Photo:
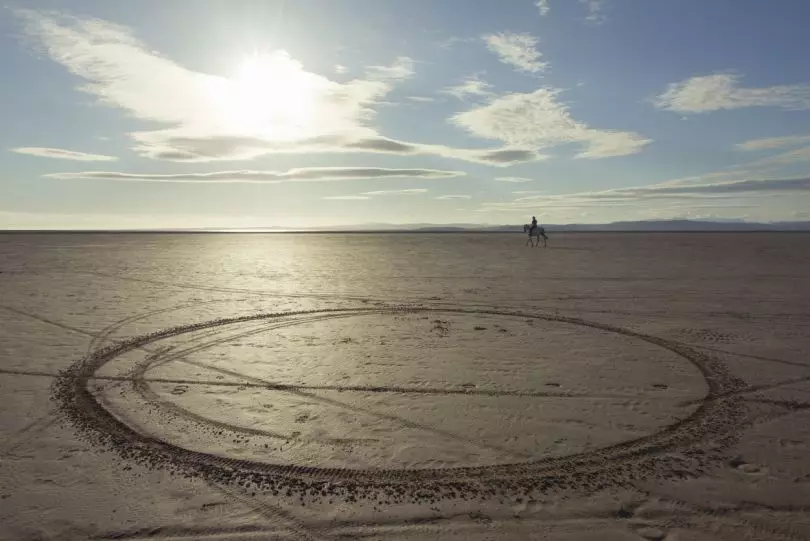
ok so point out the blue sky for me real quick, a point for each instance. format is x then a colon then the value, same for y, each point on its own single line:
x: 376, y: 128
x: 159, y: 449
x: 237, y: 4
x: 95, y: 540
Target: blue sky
x: 258, y: 113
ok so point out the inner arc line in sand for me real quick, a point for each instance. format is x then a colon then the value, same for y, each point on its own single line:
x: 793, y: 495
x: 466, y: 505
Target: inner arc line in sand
x: 718, y: 416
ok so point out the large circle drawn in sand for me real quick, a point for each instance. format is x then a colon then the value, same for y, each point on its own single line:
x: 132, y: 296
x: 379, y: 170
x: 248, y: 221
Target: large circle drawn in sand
x: 166, y: 430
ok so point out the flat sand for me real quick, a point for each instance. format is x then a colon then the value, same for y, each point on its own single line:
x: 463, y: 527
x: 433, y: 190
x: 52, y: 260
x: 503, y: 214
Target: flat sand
x: 404, y: 386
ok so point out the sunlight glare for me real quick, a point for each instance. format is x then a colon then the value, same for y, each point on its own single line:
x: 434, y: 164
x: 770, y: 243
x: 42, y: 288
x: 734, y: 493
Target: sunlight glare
x: 272, y: 96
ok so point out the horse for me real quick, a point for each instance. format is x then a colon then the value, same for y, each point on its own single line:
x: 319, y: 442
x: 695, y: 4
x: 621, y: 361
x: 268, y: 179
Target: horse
x: 538, y: 233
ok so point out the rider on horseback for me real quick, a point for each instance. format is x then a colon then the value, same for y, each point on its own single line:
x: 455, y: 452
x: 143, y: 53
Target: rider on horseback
x: 533, y: 227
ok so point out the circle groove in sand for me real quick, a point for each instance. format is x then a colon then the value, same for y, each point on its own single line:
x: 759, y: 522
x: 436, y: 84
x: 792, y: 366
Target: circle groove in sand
x: 677, y: 447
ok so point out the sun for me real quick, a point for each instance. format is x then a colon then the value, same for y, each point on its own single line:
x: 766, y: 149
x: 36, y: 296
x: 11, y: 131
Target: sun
x: 273, y: 97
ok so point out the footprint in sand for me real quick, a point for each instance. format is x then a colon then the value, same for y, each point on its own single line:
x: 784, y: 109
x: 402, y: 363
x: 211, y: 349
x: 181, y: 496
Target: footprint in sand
x: 741, y: 465
x: 653, y: 534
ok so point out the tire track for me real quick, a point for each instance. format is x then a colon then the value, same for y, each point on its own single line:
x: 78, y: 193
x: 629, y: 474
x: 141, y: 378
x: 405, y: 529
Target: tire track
x: 141, y: 385
x: 750, y: 356
x: 270, y: 513
x: 46, y: 320
x: 275, y: 514
x: 44, y: 422
x: 748, y: 389
x: 156, y: 401
x: 728, y: 517
x: 28, y: 432
x: 667, y: 453
x: 108, y: 331
x: 492, y: 393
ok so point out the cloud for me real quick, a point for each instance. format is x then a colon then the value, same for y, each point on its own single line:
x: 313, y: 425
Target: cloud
x: 689, y: 192
x: 377, y: 193
x: 34, y: 220
x: 596, y: 13
x: 508, y: 156
x: 497, y: 157
x: 409, y: 191
x: 271, y: 105
x: 543, y: 7
x: 722, y: 91
x: 538, y: 120
x: 401, y: 69
x: 471, y: 86
x: 421, y: 99
x: 513, y: 179
x: 734, y: 187
x: 453, y: 197
x: 785, y: 158
x: 452, y: 41
x: 347, y: 197
x: 341, y: 69
x: 192, y: 149
x: 307, y: 174
x: 769, y: 143
x: 62, y: 154
x: 518, y: 50
x: 708, y: 195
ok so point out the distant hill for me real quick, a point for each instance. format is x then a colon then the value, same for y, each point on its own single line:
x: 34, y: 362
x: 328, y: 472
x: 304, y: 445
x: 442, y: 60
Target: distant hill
x: 684, y: 225
x: 628, y: 226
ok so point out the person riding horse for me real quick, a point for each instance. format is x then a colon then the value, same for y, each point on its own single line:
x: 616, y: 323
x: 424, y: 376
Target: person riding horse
x: 535, y: 232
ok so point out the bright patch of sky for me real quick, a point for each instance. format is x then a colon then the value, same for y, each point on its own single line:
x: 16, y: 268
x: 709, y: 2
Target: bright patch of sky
x: 313, y: 112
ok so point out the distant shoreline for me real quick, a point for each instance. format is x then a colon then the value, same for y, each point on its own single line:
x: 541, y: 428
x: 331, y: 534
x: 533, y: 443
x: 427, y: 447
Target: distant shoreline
x: 383, y: 232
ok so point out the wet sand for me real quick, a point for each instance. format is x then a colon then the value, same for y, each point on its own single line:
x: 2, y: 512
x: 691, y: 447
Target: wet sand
x: 611, y: 386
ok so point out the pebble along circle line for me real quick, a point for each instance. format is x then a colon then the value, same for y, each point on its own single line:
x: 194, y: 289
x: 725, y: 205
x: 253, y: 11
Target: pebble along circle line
x: 685, y: 448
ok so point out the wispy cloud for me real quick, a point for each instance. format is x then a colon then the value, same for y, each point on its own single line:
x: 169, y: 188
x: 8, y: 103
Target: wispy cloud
x: 513, y: 179
x: 143, y: 221
x: 543, y: 7
x: 273, y: 105
x: 408, y: 191
x: 734, y: 187
x: 453, y: 197
x: 195, y: 149
x: 798, y: 155
x: 452, y: 41
x: 471, y: 86
x: 596, y: 14
x: 538, y: 120
x: 421, y: 99
x: 722, y: 91
x: 62, y: 154
x: 517, y: 50
x: 709, y: 194
x: 376, y: 193
x: 310, y: 174
x: 401, y: 69
x: 769, y: 143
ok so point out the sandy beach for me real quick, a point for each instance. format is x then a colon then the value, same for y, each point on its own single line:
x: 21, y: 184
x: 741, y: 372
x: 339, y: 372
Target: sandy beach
x: 404, y: 386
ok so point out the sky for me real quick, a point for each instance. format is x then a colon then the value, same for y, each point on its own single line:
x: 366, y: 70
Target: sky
x: 312, y: 113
